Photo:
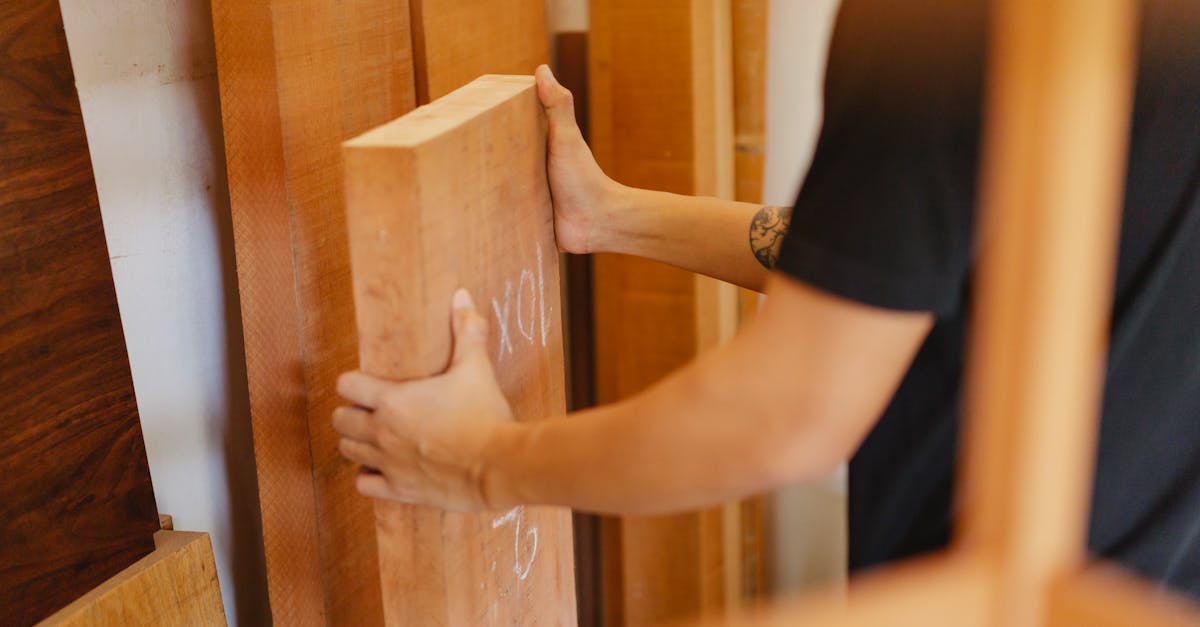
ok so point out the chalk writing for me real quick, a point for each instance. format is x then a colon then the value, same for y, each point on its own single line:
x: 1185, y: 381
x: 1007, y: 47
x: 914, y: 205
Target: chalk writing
x: 502, y: 319
x: 529, y: 540
x: 532, y: 310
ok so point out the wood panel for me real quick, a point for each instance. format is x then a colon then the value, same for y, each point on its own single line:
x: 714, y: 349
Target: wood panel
x: 76, y: 503
x: 455, y: 41
x: 662, y: 118
x: 297, y: 78
x: 455, y: 195
x: 176, y: 584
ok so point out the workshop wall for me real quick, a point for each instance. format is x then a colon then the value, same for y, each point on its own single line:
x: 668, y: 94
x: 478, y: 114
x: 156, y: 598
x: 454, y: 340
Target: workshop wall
x: 147, y: 83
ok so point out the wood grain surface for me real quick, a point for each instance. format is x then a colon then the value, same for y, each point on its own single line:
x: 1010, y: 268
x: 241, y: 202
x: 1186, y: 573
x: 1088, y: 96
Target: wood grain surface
x: 76, y: 503
x: 297, y: 78
x: 455, y: 195
x: 662, y: 118
x: 174, y: 585
x: 455, y: 41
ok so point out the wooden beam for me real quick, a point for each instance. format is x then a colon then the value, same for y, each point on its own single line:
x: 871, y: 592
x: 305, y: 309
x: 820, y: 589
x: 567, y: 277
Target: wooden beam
x: 1058, y: 107
x: 454, y: 41
x: 662, y: 118
x: 298, y: 77
x: 455, y: 195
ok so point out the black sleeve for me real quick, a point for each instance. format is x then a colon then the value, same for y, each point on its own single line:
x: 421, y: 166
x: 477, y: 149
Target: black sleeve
x: 884, y: 216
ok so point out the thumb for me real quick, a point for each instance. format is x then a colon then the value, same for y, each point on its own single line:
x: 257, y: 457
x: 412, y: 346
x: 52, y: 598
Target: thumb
x: 558, y: 101
x: 470, y: 330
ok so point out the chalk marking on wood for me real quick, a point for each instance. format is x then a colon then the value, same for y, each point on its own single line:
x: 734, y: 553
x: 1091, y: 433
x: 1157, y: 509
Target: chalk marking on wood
x: 526, y: 275
x: 515, y: 515
x: 502, y: 319
x: 509, y: 516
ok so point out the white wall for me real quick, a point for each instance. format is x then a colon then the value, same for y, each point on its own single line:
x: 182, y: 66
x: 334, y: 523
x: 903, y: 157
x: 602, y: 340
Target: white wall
x: 805, y: 525
x: 147, y: 84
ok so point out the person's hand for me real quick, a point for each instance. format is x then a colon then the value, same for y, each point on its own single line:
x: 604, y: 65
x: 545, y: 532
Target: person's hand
x: 579, y: 189
x: 426, y: 441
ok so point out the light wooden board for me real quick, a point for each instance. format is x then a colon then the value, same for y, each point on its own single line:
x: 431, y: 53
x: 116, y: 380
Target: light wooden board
x: 176, y: 584
x: 662, y: 118
x: 455, y: 195
x: 297, y: 78
x: 454, y: 41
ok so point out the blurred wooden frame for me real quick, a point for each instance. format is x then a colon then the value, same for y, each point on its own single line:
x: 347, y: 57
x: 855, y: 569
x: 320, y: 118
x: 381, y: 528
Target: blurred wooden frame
x: 1059, y: 101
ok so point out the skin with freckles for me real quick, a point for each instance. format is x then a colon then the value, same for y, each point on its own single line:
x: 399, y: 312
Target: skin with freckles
x: 788, y: 399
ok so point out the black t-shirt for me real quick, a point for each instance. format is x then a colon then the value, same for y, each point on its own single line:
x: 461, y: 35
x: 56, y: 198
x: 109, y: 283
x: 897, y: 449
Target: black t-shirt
x: 885, y: 218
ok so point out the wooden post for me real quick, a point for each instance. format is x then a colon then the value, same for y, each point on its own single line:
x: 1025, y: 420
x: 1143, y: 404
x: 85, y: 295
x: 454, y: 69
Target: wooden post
x: 1058, y: 105
x: 455, y: 195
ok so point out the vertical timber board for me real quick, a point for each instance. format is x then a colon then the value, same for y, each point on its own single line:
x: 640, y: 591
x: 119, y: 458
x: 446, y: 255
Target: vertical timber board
x: 455, y: 195
x: 455, y: 41
x: 297, y: 78
x: 76, y: 503
x: 662, y: 118
x: 749, y: 32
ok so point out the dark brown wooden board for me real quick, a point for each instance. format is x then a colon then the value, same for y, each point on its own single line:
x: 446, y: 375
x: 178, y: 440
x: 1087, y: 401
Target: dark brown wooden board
x: 76, y: 504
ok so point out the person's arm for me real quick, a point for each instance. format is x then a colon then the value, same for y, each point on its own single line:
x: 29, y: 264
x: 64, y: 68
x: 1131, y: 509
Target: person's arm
x: 788, y: 399
x: 733, y: 241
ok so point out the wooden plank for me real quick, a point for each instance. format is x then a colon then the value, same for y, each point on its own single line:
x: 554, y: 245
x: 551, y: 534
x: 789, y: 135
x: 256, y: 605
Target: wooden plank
x: 297, y: 78
x: 940, y: 591
x: 749, y: 97
x: 748, y: 20
x: 1060, y: 93
x: 455, y: 41
x: 661, y: 104
x: 455, y: 195
x: 176, y: 584
x: 76, y: 503
x: 1106, y: 596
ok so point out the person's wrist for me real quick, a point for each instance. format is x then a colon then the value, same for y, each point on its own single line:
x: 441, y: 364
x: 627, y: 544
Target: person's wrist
x: 609, y: 218
x: 499, y: 486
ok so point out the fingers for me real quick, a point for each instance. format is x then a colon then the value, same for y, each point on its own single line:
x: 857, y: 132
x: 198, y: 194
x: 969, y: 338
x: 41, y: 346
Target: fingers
x: 372, y: 484
x: 361, y: 389
x: 360, y: 452
x: 558, y: 101
x: 470, y: 330
x: 354, y: 423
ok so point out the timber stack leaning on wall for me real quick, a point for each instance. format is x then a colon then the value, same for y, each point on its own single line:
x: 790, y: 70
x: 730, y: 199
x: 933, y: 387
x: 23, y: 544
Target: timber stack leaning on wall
x: 292, y: 90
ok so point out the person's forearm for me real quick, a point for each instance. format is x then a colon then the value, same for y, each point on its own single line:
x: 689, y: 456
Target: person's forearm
x: 691, y: 441
x: 705, y: 235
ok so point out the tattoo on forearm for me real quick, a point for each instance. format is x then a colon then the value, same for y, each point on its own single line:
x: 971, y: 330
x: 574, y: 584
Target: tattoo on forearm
x: 767, y: 229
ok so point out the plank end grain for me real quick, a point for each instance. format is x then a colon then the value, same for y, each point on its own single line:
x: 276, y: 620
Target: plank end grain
x: 455, y: 195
